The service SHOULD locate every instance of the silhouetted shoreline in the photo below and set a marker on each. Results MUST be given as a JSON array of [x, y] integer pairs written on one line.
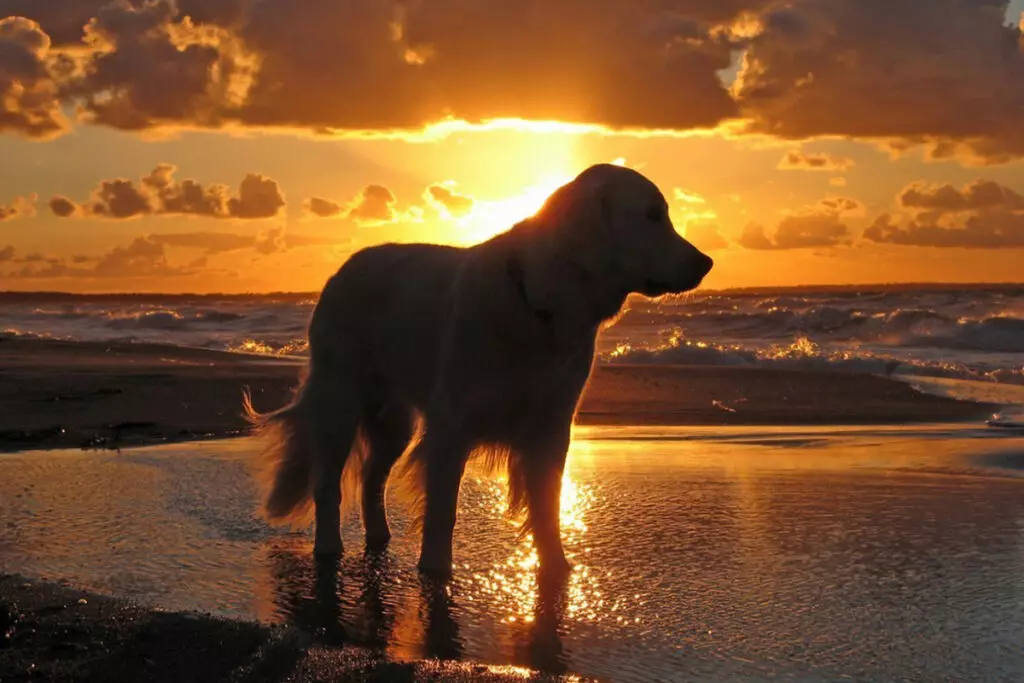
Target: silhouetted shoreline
[[60, 394]]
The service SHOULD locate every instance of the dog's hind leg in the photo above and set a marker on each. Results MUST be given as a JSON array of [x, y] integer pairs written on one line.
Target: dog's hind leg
[[443, 458], [388, 431], [333, 421]]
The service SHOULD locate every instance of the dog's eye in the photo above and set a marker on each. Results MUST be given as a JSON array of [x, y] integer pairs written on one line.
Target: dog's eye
[[656, 213]]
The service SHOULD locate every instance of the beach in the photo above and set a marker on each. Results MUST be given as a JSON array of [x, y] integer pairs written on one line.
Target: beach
[[810, 553], [776, 505], [59, 394]]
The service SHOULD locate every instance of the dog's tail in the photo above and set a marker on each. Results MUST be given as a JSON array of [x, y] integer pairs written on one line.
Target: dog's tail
[[284, 468]]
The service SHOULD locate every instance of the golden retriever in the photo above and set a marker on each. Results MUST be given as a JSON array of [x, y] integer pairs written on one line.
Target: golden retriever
[[486, 347]]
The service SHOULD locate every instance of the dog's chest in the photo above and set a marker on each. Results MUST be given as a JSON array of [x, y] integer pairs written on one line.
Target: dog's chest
[[503, 392]]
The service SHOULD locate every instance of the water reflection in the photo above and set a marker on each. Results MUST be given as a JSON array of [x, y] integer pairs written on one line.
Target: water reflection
[[703, 560], [373, 600]]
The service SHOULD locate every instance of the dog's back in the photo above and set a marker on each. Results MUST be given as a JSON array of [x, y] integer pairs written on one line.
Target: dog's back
[[385, 311]]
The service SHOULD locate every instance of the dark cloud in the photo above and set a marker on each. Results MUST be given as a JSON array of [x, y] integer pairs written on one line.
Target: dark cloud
[[815, 226], [265, 64], [798, 161], [159, 193], [986, 230], [981, 215], [448, 200], [120, 199], [946, 73], [21, 207], [62, 207], [149, 68], [258, 197], [7, 254], [980, 194], [324, 208], [28, 91]]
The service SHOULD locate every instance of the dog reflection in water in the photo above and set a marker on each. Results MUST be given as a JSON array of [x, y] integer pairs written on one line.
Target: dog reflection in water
[[445, 352]]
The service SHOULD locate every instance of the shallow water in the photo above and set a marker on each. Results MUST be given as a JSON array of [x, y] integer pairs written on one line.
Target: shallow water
[[700, 554]]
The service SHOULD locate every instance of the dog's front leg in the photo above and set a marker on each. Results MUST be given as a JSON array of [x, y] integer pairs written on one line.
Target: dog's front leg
[[444, 462], [543, 465]]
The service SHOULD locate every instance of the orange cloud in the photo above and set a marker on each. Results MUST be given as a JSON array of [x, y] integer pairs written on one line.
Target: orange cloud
[[981, 215], [796, 160], [29, 102], [159, 193], [826, 68], [815, 226], [448, 201], [21, 207]]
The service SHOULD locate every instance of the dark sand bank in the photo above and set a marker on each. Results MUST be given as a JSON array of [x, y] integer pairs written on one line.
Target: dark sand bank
[[51, 632], [56, 394]]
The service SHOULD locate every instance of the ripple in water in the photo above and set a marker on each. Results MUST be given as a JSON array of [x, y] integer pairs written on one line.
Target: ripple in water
[[742, 557]]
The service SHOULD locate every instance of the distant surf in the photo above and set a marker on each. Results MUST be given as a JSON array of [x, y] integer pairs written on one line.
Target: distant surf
[[961, 341]]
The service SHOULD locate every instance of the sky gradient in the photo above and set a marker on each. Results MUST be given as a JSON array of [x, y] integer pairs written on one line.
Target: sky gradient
[[227, 145]]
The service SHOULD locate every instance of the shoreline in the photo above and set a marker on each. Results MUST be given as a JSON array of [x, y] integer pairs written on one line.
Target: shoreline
[[53, 631], [59, 394]]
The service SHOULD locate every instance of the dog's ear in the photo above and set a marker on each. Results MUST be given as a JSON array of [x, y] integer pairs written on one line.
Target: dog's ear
[[568, 248], [574, 221]]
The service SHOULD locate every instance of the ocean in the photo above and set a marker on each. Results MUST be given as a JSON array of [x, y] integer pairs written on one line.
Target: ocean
[[925, 335]]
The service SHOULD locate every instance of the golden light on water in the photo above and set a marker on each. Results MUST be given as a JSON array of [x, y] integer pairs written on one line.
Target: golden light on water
[[511, 584]]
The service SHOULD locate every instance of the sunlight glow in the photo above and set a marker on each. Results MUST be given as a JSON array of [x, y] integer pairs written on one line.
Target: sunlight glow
[[513, 583], [488, 218]]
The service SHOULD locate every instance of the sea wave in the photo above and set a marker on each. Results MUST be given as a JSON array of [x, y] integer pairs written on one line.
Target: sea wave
[[804, 354]]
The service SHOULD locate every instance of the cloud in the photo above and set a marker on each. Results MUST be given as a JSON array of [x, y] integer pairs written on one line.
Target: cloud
[[142, 258], [375, 204], [210, 242], [948, 74], [159, 193], [21, 207], [7, 253], [706, 237], [979, 194], [140, 65], [258, 197], [815, 226], [981, 215], [29, 103], [989, 230], [62, 207], [270, 241], [447, 201], [796, 160], [324, 208], [688, 197]]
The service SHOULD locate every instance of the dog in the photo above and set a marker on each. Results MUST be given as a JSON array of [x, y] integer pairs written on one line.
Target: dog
[[445, 351]]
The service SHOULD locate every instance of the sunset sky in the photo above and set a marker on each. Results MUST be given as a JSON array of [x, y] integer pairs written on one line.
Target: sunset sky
[[251, 145]]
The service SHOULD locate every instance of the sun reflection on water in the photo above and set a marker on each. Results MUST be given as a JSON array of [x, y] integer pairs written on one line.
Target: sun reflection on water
[[511, 585]]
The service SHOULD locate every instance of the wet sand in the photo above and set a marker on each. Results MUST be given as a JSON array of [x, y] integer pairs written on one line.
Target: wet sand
[[54, 632], [56, 394]]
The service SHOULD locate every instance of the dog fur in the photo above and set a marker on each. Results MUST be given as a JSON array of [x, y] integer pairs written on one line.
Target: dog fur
[[443, 351]]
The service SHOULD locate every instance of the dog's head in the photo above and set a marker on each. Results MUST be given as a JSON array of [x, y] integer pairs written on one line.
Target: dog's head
[[607, 233]]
